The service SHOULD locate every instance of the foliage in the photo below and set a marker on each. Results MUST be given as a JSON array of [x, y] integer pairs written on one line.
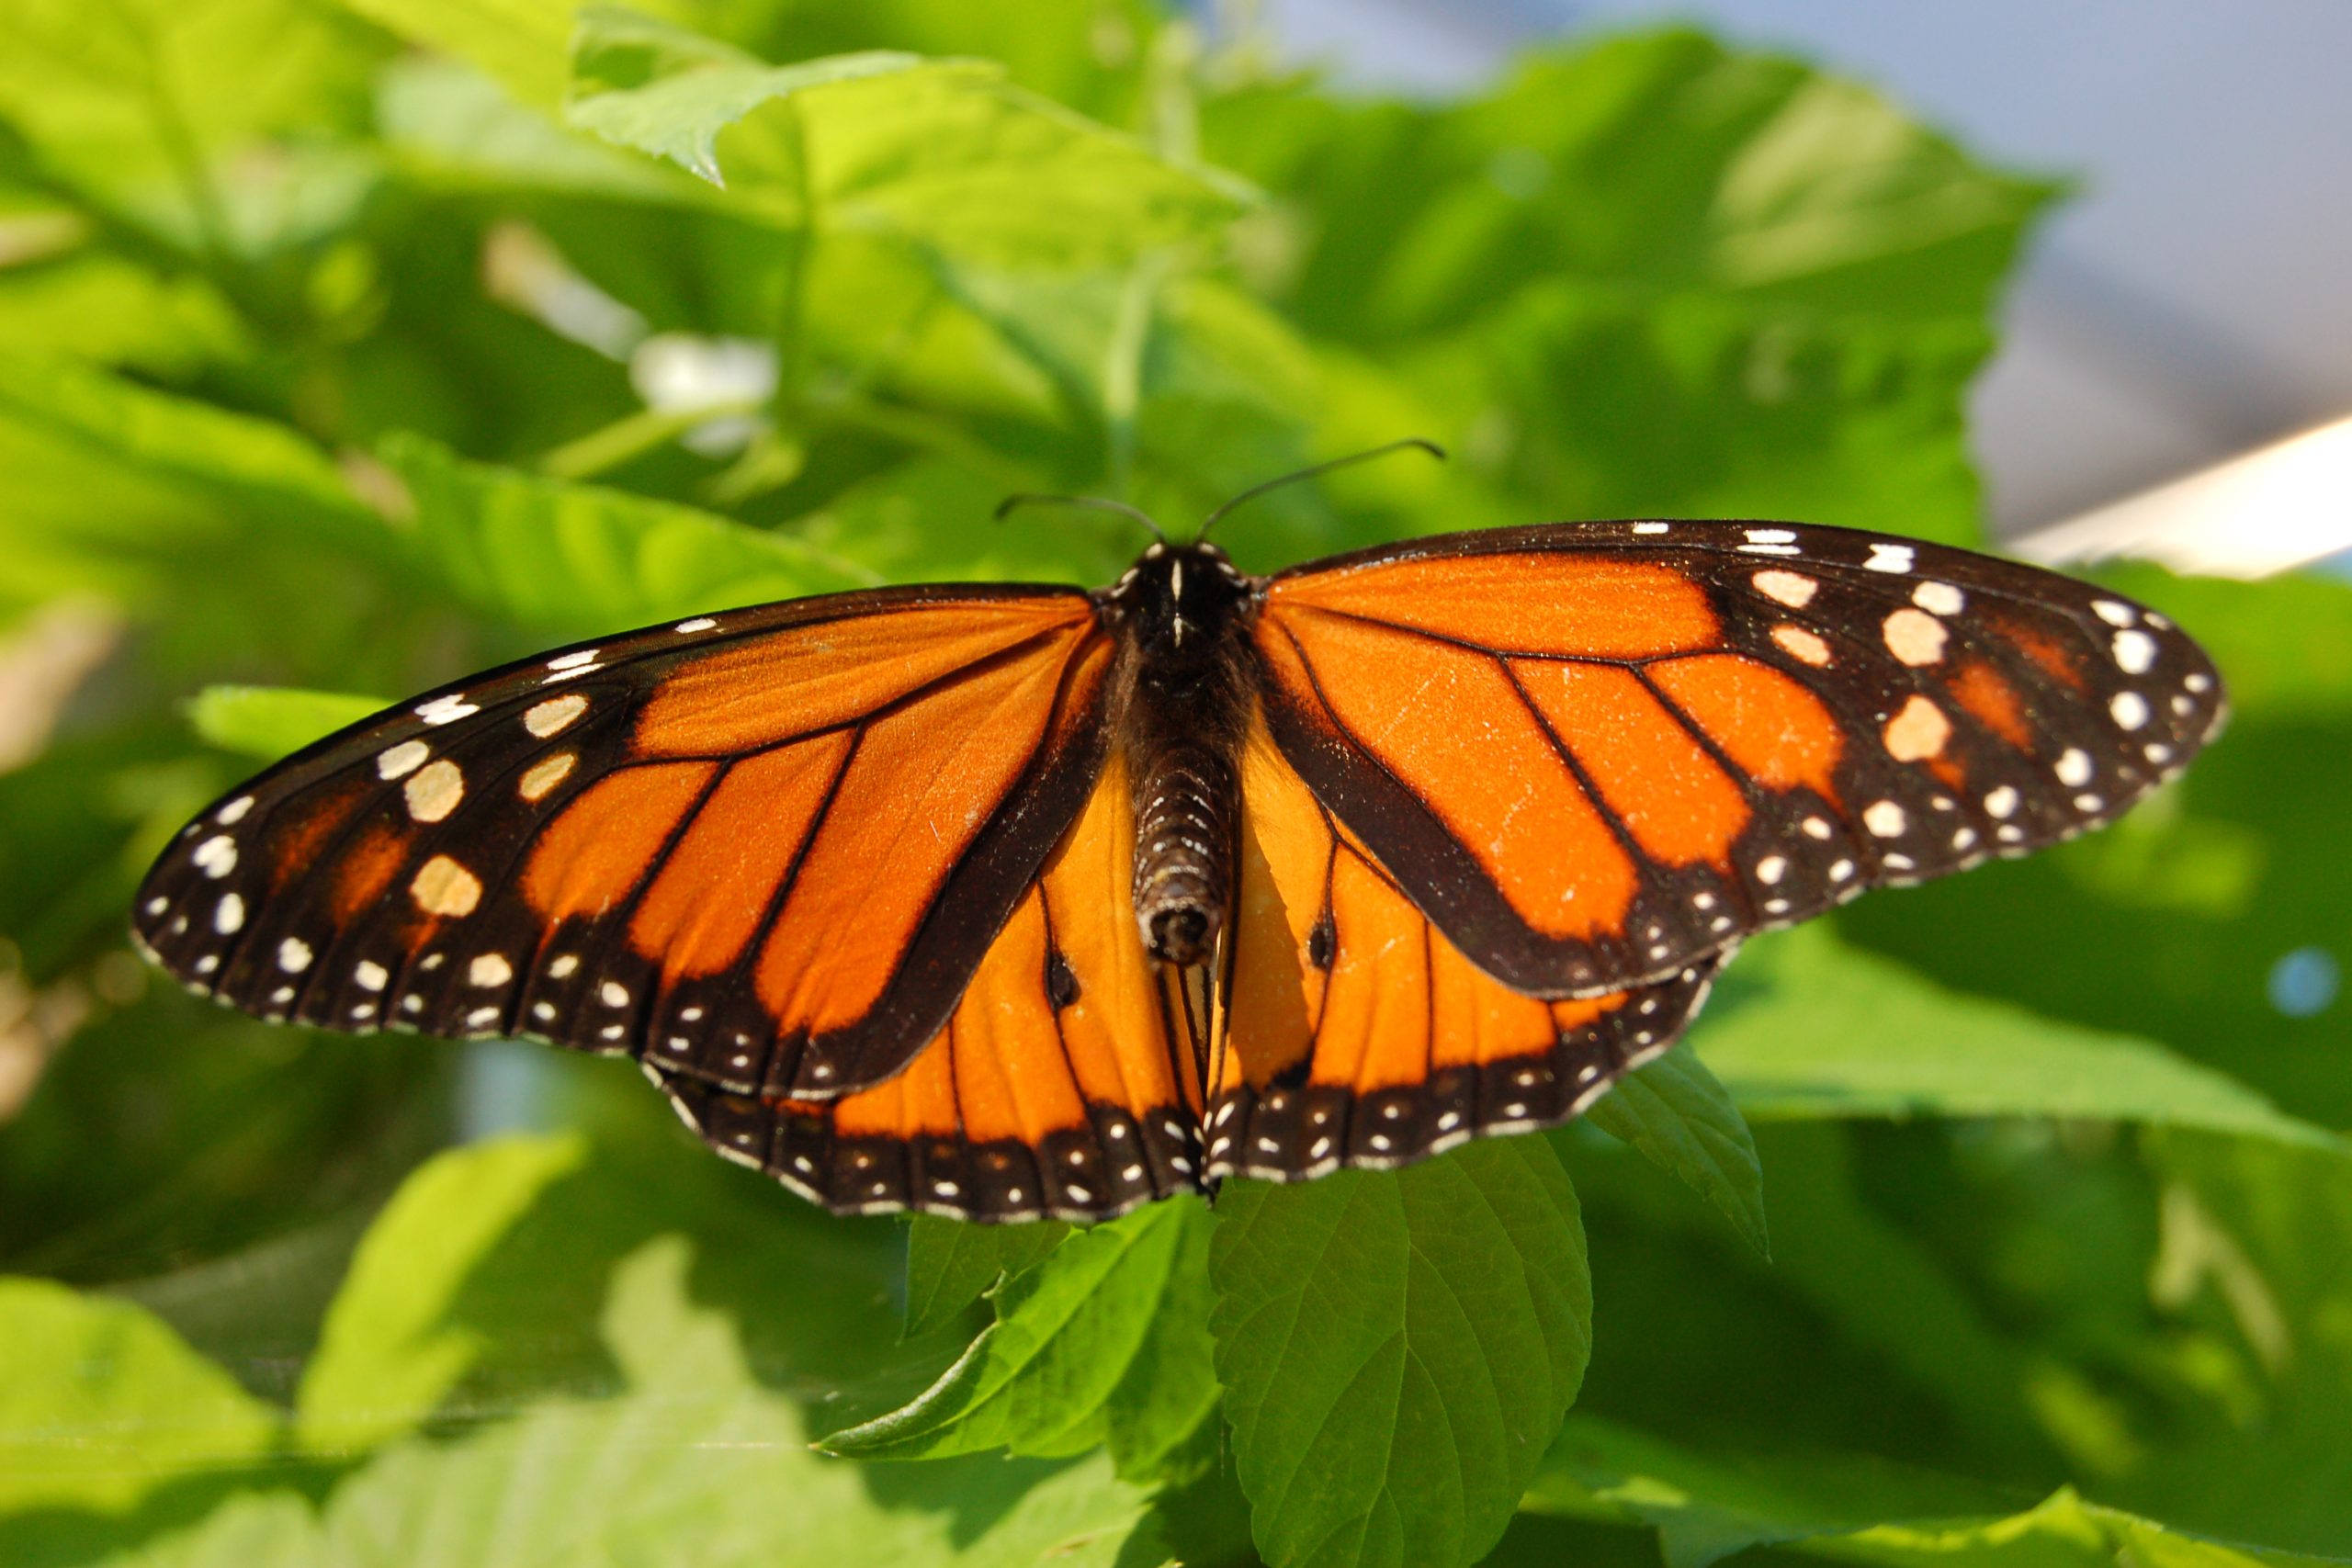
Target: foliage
[[345, 348]]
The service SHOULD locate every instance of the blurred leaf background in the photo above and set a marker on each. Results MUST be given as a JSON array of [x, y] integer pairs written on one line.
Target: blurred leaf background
[[345, 348]]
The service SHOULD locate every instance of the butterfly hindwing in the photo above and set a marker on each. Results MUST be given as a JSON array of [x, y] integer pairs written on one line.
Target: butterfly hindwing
[[1595, 752], [1052, 1091], [765, 848], [1357, 1034]]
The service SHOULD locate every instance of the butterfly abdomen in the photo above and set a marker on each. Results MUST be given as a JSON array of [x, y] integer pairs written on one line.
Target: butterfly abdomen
[[1185, 811]]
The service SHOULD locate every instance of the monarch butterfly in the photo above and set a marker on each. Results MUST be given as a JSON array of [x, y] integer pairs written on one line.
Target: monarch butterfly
[[1014, 901]]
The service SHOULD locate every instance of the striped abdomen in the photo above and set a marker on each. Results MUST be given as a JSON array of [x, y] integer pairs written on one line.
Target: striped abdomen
[[1185, 801]]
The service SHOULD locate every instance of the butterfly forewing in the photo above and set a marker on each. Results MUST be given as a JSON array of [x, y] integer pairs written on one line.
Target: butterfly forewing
[[766, 849], [1594, 753]]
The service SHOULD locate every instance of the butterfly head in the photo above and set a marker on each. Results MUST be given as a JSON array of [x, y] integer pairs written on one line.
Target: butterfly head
[[1182, 604]]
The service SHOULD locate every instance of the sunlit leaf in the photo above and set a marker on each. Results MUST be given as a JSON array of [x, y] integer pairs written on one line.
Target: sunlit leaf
[[100, 1403], [386, 1356], [523, 43], [695, 1462], [941, 153], [569, 560], [270, 722], [1835, 1033], [141, 94]]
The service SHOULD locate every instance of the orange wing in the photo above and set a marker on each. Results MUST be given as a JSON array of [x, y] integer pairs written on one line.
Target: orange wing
[[1355, 1034], [1593, 754], [1053, 1089], [766, 849]]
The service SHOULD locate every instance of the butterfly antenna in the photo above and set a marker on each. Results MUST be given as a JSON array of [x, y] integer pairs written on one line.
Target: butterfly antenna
[[1414, 442], [1088, 502]]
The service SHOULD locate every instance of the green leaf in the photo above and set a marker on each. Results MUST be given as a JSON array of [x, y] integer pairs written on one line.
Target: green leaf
[[1705, 1505], [525, 43], [568, 561], [1663, 162], [1729, 408], [669, 92], [941, 153], [2064, 1531], [1835, 1033], [1678, 1113], [1652, 277], [2251, 1275], [1161, 1422], [234, 457], [687, 1465], [950, 1264], [101, 1404], [270, 722], [137, 96], [386, 1357], [1071, 1335], [1397, 1349]]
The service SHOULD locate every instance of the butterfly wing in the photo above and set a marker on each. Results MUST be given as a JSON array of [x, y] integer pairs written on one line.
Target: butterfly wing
[[1052, 1090], [1353, 1033], [766, 849], [1594, 753]]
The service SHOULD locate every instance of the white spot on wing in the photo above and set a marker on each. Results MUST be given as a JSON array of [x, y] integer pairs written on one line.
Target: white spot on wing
[[489, 969], [1939, 598], [293, 956], [1801, 645], [442, 886], [217, 856], [1791, 588], [370, 976], [2130, 708], [235, 812], [699, 623], [2135, 653], [230, 917], [1891, 557], [1885, 818], [573, 661], [545, 775], [2074, 768], [1918, 732], [405, 758], [446, 710], [550, 717], [1915, 637], [2113, 612], [434, 790]]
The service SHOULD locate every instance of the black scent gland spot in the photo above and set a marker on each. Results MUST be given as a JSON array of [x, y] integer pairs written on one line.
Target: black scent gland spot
[[1322, 943], [1061, 986]]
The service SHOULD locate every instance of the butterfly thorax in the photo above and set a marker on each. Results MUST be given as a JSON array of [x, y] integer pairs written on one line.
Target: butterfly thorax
[[1180, 614]]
